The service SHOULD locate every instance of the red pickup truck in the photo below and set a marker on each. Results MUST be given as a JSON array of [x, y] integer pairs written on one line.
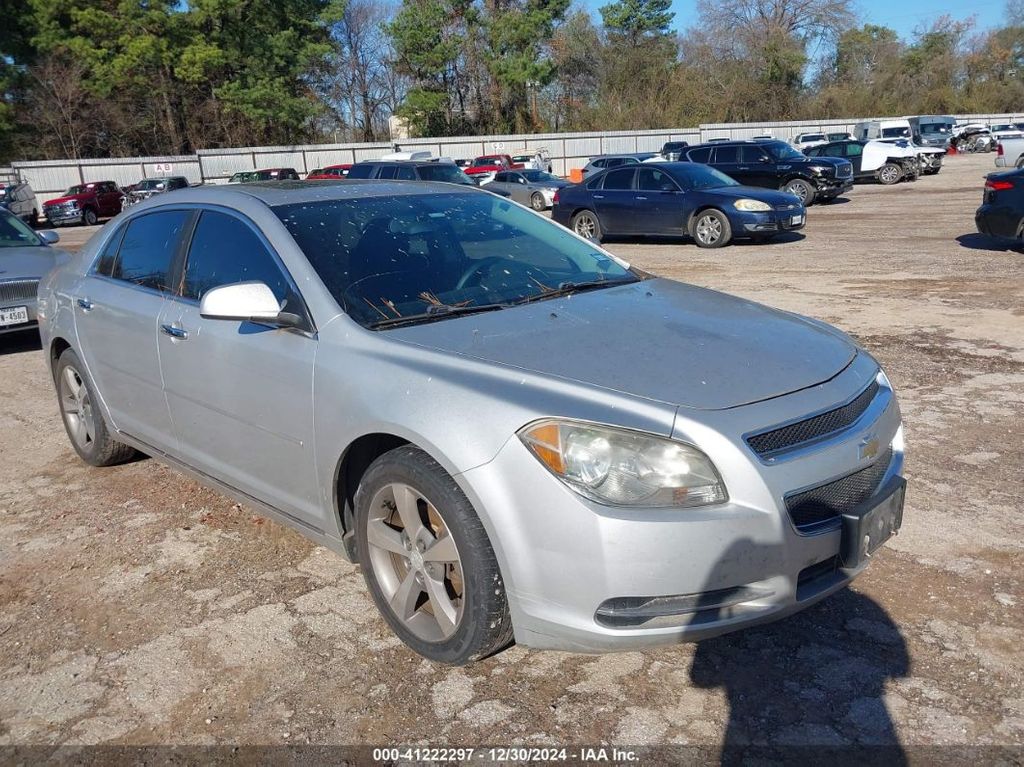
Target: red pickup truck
[[491, 164], [84, 204]]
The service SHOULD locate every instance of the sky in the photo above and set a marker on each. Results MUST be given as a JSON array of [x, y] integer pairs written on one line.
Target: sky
[[902, 15]]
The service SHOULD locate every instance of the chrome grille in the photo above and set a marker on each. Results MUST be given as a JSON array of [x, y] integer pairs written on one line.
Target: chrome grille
[[845, 170], [812, 508], [794, 434], [12, 291]]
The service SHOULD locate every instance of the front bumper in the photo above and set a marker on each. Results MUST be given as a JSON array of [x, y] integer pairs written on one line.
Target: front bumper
[[565, 559], [768, 221], [33, 318], [833, 187], [56, 217]]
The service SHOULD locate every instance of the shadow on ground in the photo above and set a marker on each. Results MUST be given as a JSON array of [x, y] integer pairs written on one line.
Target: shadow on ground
[[22, 341], [976, 241]]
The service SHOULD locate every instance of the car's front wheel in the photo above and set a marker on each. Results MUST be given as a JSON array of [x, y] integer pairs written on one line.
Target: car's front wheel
[[537, 201], [89, 217], [83, 421], [586, 224], [427, 560], [801, 189], [890, 173], [711, 229]]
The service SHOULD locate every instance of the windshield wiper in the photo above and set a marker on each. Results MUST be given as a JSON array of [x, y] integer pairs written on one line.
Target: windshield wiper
[[435, 312], [568, 288]]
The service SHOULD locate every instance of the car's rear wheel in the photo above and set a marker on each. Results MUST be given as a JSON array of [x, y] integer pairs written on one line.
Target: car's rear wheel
[[427, 560], [82, 418], [537, 201], [710, 229], [1020, 162], [801, 189], [890, 173], [89, 217], [586, 224]]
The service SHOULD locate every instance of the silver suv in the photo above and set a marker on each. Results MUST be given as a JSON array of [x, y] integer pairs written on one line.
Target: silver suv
[[513, 432]]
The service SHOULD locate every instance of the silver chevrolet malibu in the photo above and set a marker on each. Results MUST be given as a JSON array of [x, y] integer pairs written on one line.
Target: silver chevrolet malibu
[[516, 434]]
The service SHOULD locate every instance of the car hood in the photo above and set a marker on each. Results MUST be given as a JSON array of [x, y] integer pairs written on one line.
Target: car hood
[[67, 198], [770, 196], [30, 263], [656, 339]]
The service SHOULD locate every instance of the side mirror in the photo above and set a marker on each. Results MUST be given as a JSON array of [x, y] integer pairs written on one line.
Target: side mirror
[[49, 236], [246, 302], [765, 158]]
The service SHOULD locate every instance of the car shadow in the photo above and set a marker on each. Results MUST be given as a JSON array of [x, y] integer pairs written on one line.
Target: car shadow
[[22, 341], [656, 239], [809, 688], [977, 241], [834, 201]]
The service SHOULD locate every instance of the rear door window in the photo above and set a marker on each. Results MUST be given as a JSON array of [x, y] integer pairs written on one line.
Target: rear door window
[[619, 179], [701, 154], [405, 173], [387, 171], [727, 154]]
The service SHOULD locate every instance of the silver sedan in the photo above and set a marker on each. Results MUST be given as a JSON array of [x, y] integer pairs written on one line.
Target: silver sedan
[[516, 435], [529, 187], [25, 256]]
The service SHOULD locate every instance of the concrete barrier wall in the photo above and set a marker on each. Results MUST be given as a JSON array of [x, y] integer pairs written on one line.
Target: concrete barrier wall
[[568, 150]]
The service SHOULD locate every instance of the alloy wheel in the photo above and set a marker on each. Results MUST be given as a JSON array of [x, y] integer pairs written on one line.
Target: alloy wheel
[[537, 202], [797, 189], [76, 407], [416, 562], [889, 175], [585, 226], [709, 229]]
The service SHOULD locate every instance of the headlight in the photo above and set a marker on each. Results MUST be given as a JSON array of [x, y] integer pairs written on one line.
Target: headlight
[[622, 467], [819, 170], [751, 205]]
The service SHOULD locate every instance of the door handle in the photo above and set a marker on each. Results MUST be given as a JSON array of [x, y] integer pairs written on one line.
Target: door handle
[[174, 332], [85, 304], [638, 197], [598, 196], [744, 167]]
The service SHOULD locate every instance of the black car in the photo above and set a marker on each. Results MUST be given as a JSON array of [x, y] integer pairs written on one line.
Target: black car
[[1002, 211], [414, 170], [675, 198], [776, 165]]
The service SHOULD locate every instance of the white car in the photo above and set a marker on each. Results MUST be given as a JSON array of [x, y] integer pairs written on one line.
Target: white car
[[807, 140]]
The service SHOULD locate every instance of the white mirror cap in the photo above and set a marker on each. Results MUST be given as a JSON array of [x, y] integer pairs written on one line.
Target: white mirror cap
[[242, 301]]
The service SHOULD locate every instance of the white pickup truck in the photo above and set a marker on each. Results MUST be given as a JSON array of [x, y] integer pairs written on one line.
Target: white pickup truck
[[1010, 152]]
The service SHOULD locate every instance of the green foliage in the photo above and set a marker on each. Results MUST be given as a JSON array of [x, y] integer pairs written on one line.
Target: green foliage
[[635, 20]]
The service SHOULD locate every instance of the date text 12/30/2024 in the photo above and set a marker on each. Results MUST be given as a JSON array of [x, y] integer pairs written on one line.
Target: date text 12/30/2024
[[504, 754]]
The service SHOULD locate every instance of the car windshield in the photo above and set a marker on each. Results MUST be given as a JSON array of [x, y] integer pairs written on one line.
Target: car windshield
[[696, 176], [481, 161], [449, 174], [264, 175], [538, 177], [780, 150], [935, 128], [394, 259], [81, 189], [895, 132], [16, 234], [814, 137], [151, 183]]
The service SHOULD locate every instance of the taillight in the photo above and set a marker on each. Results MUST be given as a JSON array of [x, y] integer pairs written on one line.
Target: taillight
[[998, 185], [999, 150], [554, 200]]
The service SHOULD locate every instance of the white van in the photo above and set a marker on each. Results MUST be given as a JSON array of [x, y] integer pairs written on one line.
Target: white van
[[883, 129]]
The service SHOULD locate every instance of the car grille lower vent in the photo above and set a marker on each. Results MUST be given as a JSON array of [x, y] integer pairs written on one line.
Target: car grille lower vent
[[18, 290], [811, 509], [795, 434]]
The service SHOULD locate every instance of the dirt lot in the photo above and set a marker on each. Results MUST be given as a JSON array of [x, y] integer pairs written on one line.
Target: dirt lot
[[139, 607]]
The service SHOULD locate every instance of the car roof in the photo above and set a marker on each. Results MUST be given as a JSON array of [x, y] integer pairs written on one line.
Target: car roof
[[411, 163], [275, 193]]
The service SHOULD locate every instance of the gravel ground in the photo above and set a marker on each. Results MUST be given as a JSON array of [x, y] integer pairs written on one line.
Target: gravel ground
[[140, 608]]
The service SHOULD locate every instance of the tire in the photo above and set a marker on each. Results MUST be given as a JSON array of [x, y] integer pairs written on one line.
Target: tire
[[587, 225], [89, 217], [537, 201], [450, 610], [801, 189], [710, 228], [34, 221], [1020, 161], [889, 174], [83, 422]]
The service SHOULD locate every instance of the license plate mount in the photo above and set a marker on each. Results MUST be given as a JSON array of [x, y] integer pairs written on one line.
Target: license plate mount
[[13, 315], [796, 220], [871, 524]]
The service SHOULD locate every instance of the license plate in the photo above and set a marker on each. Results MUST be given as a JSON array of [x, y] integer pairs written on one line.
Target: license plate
[[796, 220], [872, 523], [16, 315]]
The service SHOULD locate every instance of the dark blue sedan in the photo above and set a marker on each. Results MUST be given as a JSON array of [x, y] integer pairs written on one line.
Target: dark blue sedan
[[675, 198], [1002, 211]]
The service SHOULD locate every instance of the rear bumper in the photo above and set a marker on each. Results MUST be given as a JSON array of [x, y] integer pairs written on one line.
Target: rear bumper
[[997, 221]]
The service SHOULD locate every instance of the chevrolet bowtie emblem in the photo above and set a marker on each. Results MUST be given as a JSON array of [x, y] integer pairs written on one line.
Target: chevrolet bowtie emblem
[[868, 447]]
